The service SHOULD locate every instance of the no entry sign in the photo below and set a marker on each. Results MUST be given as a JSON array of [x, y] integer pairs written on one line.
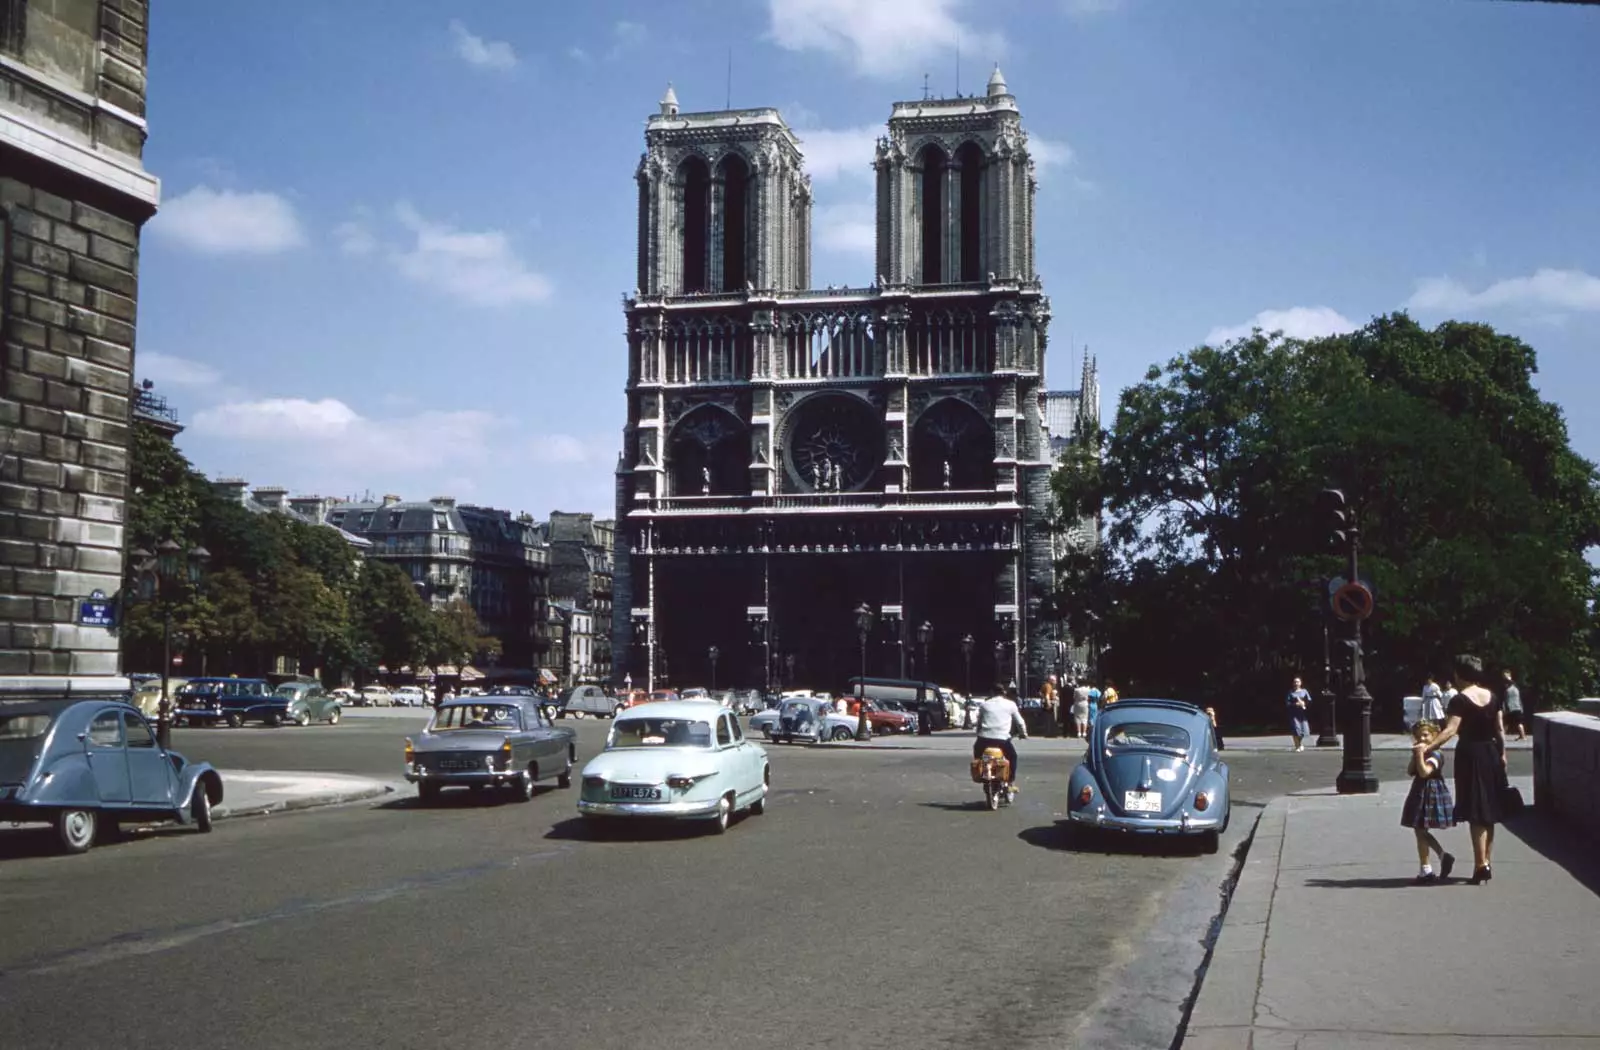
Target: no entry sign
[[1352, 601]]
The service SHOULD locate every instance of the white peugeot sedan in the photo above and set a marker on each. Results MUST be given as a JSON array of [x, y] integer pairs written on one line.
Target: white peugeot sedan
[[687, 760]]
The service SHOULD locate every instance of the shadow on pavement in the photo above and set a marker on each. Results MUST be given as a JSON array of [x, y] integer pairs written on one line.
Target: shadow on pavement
[[1567, 846], [1394, 883], [1073, 839], [975, 806], [31, 842], [586, 829], [464, 798]]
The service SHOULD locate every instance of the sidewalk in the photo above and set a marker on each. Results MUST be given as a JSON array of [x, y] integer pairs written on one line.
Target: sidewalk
[[959, 739], [1327, 944], [253, 792]]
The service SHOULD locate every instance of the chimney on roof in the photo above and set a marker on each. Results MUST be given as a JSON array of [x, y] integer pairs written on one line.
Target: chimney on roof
[[312, 508], [231, 489], [390, 499], [271, 496]]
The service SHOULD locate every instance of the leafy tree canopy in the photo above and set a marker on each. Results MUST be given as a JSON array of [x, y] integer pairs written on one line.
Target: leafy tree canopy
[[1475, 514]]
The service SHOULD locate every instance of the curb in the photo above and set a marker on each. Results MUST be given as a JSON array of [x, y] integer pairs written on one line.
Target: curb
[[291, 805], [1223, 1017]]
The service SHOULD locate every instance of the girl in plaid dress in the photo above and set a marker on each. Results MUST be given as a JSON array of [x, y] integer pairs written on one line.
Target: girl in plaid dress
[[1429, 804]]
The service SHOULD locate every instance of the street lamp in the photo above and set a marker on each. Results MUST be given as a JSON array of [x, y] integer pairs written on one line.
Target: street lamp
[[157, 575], [966, 654], [1356, 777], [863, 628], [713, 652], [924, 716]]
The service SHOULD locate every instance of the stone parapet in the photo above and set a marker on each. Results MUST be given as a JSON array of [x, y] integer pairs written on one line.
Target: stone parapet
[[1566, 767]]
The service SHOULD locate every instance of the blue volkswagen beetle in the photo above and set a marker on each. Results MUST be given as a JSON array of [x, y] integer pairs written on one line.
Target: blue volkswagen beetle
[[85, 765], [1152, 767]]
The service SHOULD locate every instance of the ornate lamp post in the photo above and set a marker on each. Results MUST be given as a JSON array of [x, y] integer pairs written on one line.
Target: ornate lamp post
[[924, 635], [1357, 776], [966, 655], [924, 716], [1329, 737], [713, 652], [158, 576], [863, 629]]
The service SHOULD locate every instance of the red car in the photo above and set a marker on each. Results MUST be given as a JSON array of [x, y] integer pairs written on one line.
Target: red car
[[881, 719]]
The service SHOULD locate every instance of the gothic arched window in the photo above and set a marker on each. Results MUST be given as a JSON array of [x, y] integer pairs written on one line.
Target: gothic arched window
[[696, 180], [970, 159], [933, 172], [735, 176]]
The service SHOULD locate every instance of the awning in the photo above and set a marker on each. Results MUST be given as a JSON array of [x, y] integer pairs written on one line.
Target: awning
[[471, 674]]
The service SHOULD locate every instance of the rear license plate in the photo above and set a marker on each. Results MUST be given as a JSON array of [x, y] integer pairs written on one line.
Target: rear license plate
[[1142, 801], [459, 765], [635, 791]]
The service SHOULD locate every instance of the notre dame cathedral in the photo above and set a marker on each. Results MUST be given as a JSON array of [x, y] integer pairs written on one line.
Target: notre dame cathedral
[[793, 454]]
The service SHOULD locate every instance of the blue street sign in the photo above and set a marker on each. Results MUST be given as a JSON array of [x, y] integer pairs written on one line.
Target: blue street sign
[[97, 611]]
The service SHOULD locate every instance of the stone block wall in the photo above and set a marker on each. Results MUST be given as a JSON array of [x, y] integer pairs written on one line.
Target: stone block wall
[[70, 288], [1566, 768]]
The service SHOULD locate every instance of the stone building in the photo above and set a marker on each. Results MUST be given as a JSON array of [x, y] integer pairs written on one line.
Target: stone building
[[580, 574], [571, 655], [73, 196], [495, 560], [791, 453]]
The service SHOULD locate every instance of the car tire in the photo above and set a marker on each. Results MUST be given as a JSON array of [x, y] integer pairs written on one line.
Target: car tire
[[522, 787], [273, 721], [333, 719], [200, 809], [724, 814], [577, 714], [427, 794], [302, 719], [75, 829], [615, 711], [1210, 842], [234, 720], [841, 733]]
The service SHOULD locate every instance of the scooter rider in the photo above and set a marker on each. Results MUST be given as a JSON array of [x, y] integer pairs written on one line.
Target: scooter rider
[[999, 719]]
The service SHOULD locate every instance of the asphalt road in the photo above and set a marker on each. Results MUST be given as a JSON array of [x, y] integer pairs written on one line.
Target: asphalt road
[[876, 904]]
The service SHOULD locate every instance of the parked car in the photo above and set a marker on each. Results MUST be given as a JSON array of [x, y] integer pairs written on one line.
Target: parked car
[[411, 696], [661, 695], [631, 697], [235, 701], [583, 700], [376, 696], [763, 721], [83, 766], [490, 742], [811, 720], [884, 716], [682, 760], [695, 692], [747, 701], [1152, 767], [309, 703]]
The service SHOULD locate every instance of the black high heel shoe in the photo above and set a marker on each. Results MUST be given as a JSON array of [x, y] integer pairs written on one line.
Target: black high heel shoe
[[1481, 875]]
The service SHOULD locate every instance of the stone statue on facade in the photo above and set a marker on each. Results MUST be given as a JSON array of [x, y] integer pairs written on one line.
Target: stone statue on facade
[[947, 473], [705, 481]]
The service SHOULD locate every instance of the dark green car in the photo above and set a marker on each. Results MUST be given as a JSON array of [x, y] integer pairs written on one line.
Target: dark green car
[[308, 703]]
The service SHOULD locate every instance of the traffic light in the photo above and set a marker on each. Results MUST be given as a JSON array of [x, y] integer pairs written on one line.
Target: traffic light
[[1337, 514]]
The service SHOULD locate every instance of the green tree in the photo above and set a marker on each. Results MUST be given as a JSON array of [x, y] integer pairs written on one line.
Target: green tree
[[1475, 513], [390, 625], [457, 637]]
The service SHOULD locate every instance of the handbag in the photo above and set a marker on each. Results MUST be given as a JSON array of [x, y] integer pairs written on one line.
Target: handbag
[[1511, 799]]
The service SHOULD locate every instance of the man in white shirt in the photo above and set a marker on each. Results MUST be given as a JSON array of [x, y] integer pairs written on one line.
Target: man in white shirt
[[998, 718]]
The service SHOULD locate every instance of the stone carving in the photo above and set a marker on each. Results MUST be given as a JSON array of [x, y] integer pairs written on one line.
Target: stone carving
[[705, 481], [761, 448], [894, 448], [947, 473]]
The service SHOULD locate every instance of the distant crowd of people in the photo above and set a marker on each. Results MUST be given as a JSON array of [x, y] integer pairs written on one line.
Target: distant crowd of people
[[1074, 703]]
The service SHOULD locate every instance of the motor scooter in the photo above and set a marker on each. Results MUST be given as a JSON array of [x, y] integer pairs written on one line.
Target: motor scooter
[[992, 769]]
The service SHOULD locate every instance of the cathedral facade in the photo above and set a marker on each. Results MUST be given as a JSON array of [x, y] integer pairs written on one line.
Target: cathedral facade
[[793, 455]]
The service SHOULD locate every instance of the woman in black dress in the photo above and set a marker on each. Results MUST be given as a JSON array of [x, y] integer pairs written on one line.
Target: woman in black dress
[[1475, 717]]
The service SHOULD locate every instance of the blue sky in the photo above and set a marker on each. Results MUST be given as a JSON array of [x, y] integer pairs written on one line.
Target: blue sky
[[395, 233]]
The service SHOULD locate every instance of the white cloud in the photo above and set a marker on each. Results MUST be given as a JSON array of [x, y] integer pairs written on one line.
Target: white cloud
[[1547, 291], [354, 238], [330, 433], [880, 38], [481, 268], [559, 448], [481, 52], [169, 370], [1090, 8], [578, 54], [225, 222], [625, 37], [835, 152], [1297, 322], [1050, 153], [849, 228]]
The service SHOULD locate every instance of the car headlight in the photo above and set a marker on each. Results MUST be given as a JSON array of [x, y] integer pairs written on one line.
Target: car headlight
[[686, 780], [595, 783]]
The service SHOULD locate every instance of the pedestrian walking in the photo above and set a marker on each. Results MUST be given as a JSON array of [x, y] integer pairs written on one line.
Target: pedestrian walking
[[1080, 710], [1476, 717], [1299, 703], [1216, 728], [1432, 702], [1514, 714], [1094, 705], [1109, 696], [1429, 805]]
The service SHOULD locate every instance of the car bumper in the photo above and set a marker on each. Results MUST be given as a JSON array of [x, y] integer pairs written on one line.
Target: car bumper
[[1145, 825], [705, 810], [463, 776]]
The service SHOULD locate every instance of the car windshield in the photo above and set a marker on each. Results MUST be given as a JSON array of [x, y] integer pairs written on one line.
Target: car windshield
[[197, 688], [796, 708], [290, 690], [1134, 736], [476, 716], [23, 727], [659, 732]]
